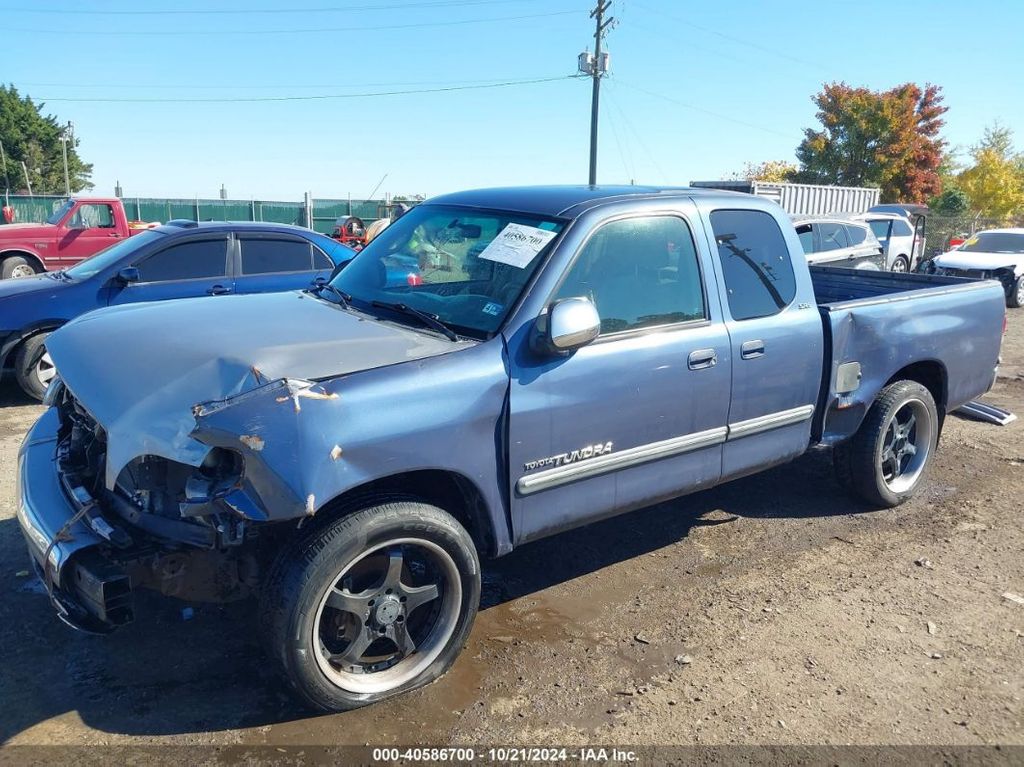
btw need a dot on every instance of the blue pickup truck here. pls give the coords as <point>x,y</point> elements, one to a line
<point>349,456</point>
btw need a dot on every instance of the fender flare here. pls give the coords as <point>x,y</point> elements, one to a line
<point>15,339</point>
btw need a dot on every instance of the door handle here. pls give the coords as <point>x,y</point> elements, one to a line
<point>218,290</point>
<point>114,234</point>
<point>751,349</point>
<point>701,359</point>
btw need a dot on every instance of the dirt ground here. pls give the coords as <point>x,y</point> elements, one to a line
<point>769,611</point>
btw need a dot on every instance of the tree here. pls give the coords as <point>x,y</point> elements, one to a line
<point>30,136</point>
<point>952,202</point>
<point>772,171</point>
<point>888,139</point>
<point>994,184</point>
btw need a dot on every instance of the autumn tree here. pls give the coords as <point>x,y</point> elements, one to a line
<point>994,183</point>
<point>32,137</point>
<point>889,139</point>
<point>771,171</point>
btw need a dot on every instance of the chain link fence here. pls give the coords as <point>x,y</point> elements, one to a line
<point>323,213</point>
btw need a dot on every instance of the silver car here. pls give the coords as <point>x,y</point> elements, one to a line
<point>838,241</point>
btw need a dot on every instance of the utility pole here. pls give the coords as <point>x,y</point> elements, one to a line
<point>597,67</point>
<point>67,134</point>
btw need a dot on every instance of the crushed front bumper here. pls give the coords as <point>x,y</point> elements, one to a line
<point>88,592</point>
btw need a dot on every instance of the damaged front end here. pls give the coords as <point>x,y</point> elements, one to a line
<point>164,525</point>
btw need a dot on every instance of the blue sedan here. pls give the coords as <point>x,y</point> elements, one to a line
<point>182,259</point>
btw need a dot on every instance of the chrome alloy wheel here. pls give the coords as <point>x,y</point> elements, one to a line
<point>387,616</point>
<point>906,445</point>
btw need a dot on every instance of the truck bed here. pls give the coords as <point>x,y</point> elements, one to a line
<point>834,286</point>
<point>948,327</point>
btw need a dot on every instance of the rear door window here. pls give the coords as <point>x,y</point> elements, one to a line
<point>267,256</point>
<point>832,236</point>
<point>806,235</point>
<point>759,279</point>
<point>857,234</point>
<point>193,260</point>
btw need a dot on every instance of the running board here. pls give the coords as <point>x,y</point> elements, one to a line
<point>982,411</point>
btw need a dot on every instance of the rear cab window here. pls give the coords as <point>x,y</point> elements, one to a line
<point>756,263</point>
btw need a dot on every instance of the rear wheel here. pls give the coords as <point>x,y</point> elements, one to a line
<point>17,267</point>
<point>1015,298</point>
<point>33,367</point>
<point>901,264</point>
<point>886,460</point>
<point>371,605</point>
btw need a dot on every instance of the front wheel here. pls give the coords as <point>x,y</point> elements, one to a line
<point>33,367</point>
<point>1015,298</point>
<point>886,460</point>
<point>17,267</point>
<point>373,604</point>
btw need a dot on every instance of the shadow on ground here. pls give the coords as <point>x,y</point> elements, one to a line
<point>165,675</point>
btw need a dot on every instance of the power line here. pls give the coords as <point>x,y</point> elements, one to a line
<point>738,40</point>
<point>233,86</point>
<point>259,11</point>
<point>318,97</point>
<point>705,111</point>
<point>316,30</point>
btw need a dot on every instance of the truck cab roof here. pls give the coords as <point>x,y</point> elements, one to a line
<point>568,201</point>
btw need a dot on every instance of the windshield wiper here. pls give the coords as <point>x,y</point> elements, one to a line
<point>345,298</point>
<point>60,274</point>
<point>431,320</point>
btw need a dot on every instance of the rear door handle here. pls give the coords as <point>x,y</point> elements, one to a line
<point>751,349</point>
<point>701,359</point>
<point>218,290</point>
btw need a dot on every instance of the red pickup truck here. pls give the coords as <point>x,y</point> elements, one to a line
<point>78,229</point>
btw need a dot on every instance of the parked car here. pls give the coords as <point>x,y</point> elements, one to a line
<point>896,235</point>
<point>178,260</point>
<point>996,254</point>
<point>350,455</point>
<point>78,229</point>
<point>838,241</point>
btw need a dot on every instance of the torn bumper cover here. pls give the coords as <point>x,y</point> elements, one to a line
<point>87,591</point>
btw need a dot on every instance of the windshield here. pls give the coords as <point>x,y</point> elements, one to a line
<point>112,255</point>
<point>994,242</point>
<point>466,267</point>
<point>58,214</point>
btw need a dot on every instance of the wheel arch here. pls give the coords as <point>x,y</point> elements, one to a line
<point>448,490</point>
<point>932,375</point>
<point>31,256</point>
<point>18,337</point>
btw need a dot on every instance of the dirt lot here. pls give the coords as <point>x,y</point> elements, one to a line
<point>771,610</point>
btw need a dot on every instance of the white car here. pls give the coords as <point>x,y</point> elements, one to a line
<point>896,234</point>
<point>993,254</point>
<point>838,241</point>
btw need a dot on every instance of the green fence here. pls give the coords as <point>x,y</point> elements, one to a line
<point>324,212</point>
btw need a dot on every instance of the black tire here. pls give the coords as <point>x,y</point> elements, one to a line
<point>867,464</point>
<point>294,603</point>
<point>17,266</point>
<point>901,264</point>
<point>30,366</point>
<point>1015,298</point>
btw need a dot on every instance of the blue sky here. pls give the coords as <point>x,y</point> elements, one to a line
<point>697,88</point>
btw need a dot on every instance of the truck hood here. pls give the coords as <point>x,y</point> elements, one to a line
<point>21,231</point>
<point>141,369</point>
<point>956,259</point>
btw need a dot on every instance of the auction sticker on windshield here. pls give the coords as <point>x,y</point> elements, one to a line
<point>517,245</point>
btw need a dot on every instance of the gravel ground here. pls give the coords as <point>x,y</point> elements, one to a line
<point>772,610</point>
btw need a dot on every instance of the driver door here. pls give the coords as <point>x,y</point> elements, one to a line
<point>87,230</point>
<point>639,414</point>
<point>198,266</point>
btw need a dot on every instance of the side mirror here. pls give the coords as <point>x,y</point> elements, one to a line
<point>128,274</point>
<point>570,324</point>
